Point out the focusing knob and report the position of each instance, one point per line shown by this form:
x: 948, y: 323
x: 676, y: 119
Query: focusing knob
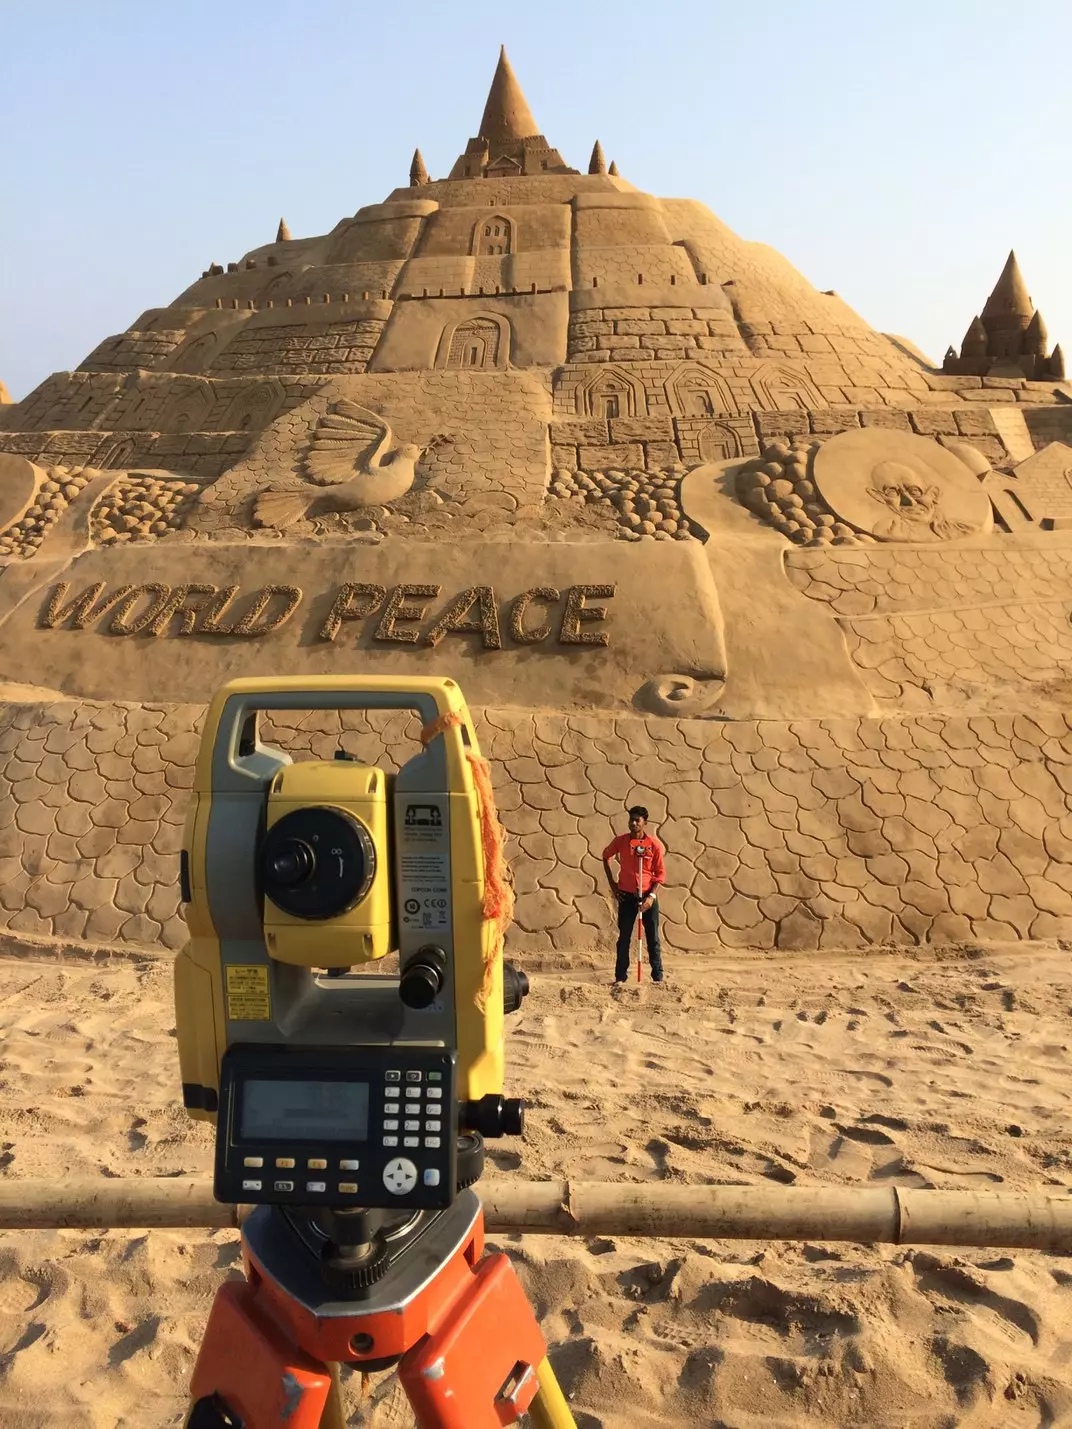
x: 493, y: 1116
x: 515, y: 987
x: 423, y: 977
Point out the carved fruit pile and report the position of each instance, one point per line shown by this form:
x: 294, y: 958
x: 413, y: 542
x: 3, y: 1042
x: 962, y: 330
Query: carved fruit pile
x: 62, y: 486
x: 777, y: 487
x: 141, y: 508
x: 646, y: 501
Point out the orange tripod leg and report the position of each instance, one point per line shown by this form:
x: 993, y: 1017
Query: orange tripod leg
x: 478, y: 1369
x: 250, y: 1368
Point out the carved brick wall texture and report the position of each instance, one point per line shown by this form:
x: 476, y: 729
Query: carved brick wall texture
x: 823, y: 833
x: 302, y: 348
x: 132, y: 349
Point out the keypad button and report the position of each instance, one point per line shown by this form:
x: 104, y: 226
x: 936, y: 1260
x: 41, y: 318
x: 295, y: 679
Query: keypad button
x: 348, y: 1188
x: 413, y: 1076
x: 433, y: 1125
x: 435, y: 1076
x: 316, y: 1186
x: 349, y: 1165
x: 413, y: 1093
x: 251, y: 1185
x: 433, y: 1109
x: 392, y: 1093
x: 285, y: 1163
x: 435, y: 1094
x: 392, y: 1125
x: 412, y: 1126
x: 390, y: 1141
x: 253, y: 1161
x: 411, y: 1141
x: 284, y: 1185
x: 317, y: 1164
x: 431, y: 1176
x: 392, y: 1076
x: 432, y: 1142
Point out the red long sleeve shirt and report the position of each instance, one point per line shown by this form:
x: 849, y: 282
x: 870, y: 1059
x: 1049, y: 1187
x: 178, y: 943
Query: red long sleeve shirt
x: 626, y: 850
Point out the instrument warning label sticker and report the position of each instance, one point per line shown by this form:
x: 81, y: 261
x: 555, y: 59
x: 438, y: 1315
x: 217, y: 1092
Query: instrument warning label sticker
x: 248, y: 998
x: 424, y: 863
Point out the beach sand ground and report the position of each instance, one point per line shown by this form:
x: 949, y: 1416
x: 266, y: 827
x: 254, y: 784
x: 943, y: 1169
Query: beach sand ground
x: 945, y: 1068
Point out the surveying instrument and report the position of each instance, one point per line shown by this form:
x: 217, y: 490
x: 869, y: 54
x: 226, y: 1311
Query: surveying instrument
x: 351, y: 1110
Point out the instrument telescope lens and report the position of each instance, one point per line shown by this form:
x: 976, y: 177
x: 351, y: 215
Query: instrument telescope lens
x: 293, y: 864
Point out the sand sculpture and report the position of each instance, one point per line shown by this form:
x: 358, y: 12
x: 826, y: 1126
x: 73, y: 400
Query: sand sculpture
x: 688, y: 530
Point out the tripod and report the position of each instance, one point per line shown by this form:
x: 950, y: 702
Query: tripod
x: 640, y: 852
x: 373, y: 1289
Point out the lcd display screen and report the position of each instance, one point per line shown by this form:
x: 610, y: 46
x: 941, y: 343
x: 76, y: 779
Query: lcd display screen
x: 304, y: 1111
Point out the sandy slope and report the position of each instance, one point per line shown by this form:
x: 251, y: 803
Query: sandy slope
x: 938, y: 1070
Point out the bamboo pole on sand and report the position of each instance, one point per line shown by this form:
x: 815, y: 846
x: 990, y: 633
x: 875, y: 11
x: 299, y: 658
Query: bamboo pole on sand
x: 889, y: 1215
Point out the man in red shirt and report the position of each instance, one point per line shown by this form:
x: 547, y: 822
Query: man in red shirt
x: 641, y: 871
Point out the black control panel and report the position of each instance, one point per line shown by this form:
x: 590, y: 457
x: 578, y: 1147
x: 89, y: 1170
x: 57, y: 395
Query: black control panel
x: 338, y: 1127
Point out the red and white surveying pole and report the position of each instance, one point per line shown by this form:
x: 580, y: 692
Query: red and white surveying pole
x: 640, y: 849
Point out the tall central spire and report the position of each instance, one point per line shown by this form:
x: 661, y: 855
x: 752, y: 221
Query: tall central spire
x: 509, y: 143
x: 507, y: 116
x: 1010, y: 297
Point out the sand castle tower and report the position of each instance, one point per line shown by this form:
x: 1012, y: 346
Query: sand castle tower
x: 1010, y: 338
x: 685, y: 527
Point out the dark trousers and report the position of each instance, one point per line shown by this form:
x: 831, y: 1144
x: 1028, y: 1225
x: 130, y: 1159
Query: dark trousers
x: 628, y: 904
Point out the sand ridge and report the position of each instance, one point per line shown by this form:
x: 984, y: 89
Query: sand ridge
x: 946, y: 1070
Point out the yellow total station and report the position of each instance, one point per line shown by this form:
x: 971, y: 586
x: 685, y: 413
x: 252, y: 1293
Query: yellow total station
x: 292, y: 868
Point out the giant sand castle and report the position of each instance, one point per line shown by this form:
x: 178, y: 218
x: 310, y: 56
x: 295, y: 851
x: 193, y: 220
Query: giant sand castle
x: 686, y: 530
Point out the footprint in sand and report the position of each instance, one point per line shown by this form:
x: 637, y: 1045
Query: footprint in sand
x: 934, y: 1277
x: 139, y: 1338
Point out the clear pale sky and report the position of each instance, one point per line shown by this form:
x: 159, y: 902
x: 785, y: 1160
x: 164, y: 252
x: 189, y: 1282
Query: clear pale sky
x: 892, y: 151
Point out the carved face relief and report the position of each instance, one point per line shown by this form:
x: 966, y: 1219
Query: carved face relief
x: 914, y: 505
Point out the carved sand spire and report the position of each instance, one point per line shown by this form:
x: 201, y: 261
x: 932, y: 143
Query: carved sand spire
x: 418, y: 174
x: 283, y: 234
x: 1035, y: 337
x: 974, y: 345
x: 508, y: 142
x: 1010, y: 297
x: 507, y: 116
x: 597, y: 164
x: 1057, y: 364
x: 1009, y: 339
x: 613, y: 170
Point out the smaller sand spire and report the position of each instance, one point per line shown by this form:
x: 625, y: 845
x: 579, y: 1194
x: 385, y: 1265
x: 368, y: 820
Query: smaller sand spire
x: 418, y: 174
x: 1057, y: 364
x: 975, y: 340
x: 613, y: 170
x: 1035, y: 337
x: 597, y: 164
x: 283, y: 235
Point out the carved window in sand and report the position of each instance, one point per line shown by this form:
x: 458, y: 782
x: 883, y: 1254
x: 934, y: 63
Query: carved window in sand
x: 694, y: 391
x: 476, y: 343
x: 718, y: 442
x: 781, y: 389
x: 611, y: 394
x: 494, y: 236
